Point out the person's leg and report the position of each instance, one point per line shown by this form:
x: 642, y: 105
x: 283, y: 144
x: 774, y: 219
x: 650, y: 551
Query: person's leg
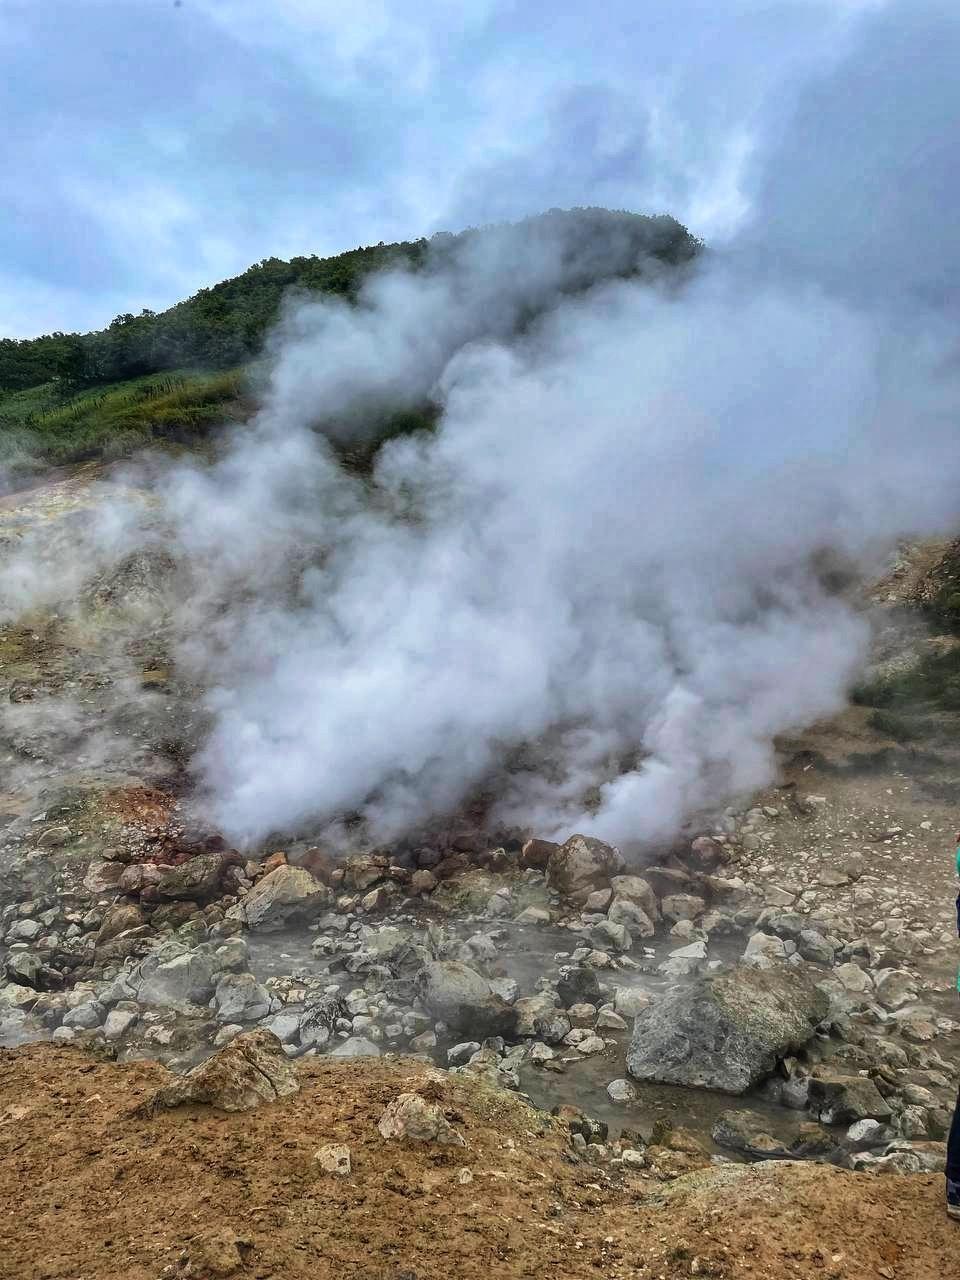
x: 953, y: 1165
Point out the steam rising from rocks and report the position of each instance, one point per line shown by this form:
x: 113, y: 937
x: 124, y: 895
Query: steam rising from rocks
x: 607, y: 579
x: 611, y: 548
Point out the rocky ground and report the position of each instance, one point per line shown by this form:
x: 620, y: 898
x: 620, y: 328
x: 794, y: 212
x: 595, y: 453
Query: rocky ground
x: 389, y: 1170
x: 771, y: 1000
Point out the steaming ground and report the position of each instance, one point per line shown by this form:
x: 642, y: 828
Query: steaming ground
x: 617, y: 549
x: 612, y: 539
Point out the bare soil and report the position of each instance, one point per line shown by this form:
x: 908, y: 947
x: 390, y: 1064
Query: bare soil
x: 90, y: 1190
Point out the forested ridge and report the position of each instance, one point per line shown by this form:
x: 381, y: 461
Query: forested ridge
x: 68, y: 396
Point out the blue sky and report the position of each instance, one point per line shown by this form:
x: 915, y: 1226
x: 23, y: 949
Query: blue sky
x: 151, y: 147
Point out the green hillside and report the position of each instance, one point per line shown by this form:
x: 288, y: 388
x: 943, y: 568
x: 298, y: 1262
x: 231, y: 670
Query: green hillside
x: 171, y: 375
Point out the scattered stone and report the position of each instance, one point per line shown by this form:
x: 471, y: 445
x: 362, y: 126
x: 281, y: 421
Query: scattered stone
x: 839, y: 1099
x: 682, y: 906
x: 629, y: 1001
x: 118, y: 1023
x: 248, y: 1072
x: 194, y: 881
x: 537, y: 853
x: 764, y: 950
x: 84, y: 1016
x: 621, y: 1091
x: 334, y: 1159
x: 629, y: 914
x: 578, y: 985
x: 356, y: 1047
x: 286, y: 895
x: 411, y: 1117
x: 581, y: 865
x: 637, y: 889
x: 533, y: 915
x: 239, y: 997
x: 422, y: 882
x: 461, y: 1053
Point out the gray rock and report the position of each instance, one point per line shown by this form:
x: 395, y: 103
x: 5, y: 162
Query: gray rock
x: 863, y: 1134
x: 118, y: 1022
x: 533, y: 915
x: 356, y: 1047
x: 285, y: 895
x: 24, y: 968
x: 458, y: 995
x: 682, y: 906
x: 539, y: 1016
x: 184, y: 979
x: 637, y: 889
x: 506, y: 988
x: 632, y: 916
x: 895, y: 988
x: 839, y: 1099
x: 193, y: 881
x: 726, y: 1031
x: 578, y: 985
x: 629, y: 1001
x: 609, y: 934
x: 463, y: 1052
x: 764, y: 950
x: 84, y: 1016
x: 285, y: 1026
x: 813, y: 946
x: 239, y: 997
x: 24, y: 931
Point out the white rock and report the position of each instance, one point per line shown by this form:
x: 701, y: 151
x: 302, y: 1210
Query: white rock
x: 621, y: 1091
x: 335, y: 1159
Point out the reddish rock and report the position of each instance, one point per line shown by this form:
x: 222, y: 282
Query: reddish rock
x: 102, y: 876
x: 581, y: 865
x: 362, y: 871
x: 705, y: 854
x: 451, y: 865
x: 537, y: 853
x: 278, y: 859
x: 422, y: 882
x: 319, y: 863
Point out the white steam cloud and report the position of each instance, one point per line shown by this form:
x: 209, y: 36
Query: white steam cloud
x: 612, y: 546
x: 598, y: 590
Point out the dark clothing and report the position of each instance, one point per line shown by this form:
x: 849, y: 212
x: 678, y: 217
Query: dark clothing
x: 953, y: 1147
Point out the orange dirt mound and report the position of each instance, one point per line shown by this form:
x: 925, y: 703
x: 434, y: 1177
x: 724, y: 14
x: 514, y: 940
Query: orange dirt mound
x: 91, y: 1190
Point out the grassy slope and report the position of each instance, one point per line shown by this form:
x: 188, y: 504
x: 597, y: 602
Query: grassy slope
x: 43, y: 424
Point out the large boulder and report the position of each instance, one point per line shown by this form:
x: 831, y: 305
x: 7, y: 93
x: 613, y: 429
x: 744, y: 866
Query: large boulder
x: 457, y: 995
x: 581, y: 865
x: 193, y: 881
x: 636, y: 889
x: 726, y: 1031
x: 175, y: 980
x: 251, y: 1070
x: 286, y: 895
